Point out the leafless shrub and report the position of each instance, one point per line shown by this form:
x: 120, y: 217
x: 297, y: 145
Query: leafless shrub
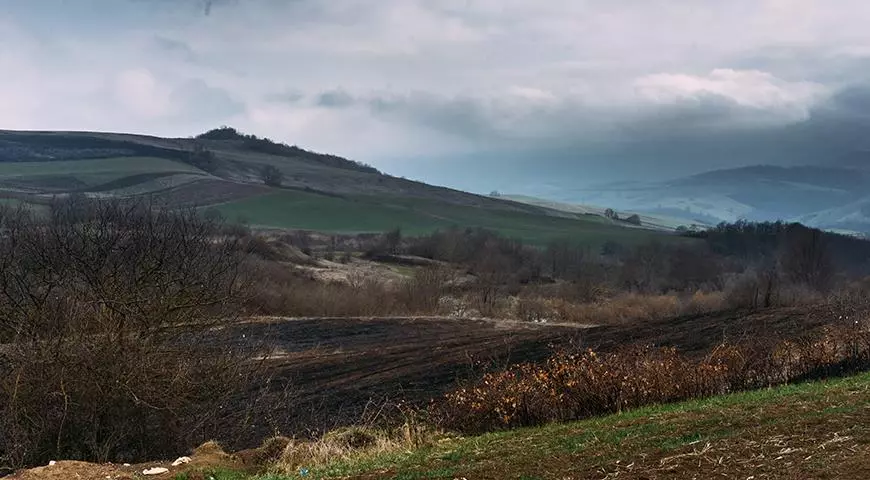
x: 753, y: 289
x: 99, y: 306
x: 422, y: 292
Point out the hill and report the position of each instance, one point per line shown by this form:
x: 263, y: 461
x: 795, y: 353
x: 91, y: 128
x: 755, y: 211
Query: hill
x: 649, y: 221
x: 831, y: 197
x: 223, y: 170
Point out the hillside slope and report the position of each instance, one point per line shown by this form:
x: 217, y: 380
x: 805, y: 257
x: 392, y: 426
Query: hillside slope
x: 224, y: 170
x: 651, y: 221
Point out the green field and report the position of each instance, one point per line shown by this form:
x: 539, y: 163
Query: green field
x: 813, y: 430
x: 90, y: 172
x: 311, y: 211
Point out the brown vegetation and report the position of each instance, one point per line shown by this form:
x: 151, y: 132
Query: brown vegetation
x: 116, y: 322
x: 98, y: 306
x: 571, y: 386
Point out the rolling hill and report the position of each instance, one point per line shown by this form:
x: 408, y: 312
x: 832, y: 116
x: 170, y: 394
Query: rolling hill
x: 223, y: 170
x: 832, y: 197
x: 648, y: 221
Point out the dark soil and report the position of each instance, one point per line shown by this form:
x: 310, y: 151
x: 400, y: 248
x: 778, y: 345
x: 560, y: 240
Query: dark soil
x: 337, y: 372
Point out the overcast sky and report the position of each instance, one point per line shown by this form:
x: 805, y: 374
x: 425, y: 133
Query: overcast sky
x: 602, y: 89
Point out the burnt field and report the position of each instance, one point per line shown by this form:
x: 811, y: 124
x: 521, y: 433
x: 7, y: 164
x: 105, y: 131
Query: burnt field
x: 339, y: 371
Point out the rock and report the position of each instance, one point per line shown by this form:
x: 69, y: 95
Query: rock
x: 181, y: 461
x: 155, y: 471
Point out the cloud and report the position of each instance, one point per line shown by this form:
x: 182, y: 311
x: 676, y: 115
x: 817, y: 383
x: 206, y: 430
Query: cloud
x: 175, y: 47
x: 139, y: 92
x: 198, y: 99
x: 753, y: 89
x: 415, y: 86
x: 334, y: 99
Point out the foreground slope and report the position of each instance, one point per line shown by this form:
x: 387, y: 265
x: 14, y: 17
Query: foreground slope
x: 813, y: 430
x: 223, y: 169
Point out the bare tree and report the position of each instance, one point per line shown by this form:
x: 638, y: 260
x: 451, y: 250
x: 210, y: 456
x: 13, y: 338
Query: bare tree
x: 805, y: 258
x: 104, y: 307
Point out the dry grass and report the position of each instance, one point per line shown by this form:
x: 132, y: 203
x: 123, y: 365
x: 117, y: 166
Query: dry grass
x: 352, y: 444
x: 619, y: 309
x: 282, y: 289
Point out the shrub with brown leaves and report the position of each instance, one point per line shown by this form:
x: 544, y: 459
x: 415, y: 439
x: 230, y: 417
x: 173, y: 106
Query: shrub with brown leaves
x: 571, y: 386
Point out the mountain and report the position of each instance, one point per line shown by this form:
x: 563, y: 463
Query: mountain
x: 227, y: 172
x: 833, y: 197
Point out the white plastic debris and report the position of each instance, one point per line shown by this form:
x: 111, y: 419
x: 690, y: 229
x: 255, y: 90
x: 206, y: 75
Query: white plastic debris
x: 52, y: 463
x: 181, y: 461
x: 126, y: 464
x: 155, y: 471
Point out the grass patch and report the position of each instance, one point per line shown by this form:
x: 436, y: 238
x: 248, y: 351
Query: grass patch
x: 91, y: 171
x: 809, y: 430
x: 311, y: 211
x: 216, y: 474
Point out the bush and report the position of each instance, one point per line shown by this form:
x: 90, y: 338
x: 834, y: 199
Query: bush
x: 422, y: 292
x: 100, y: 304
x: 571, y: 386
x: 272, y: 176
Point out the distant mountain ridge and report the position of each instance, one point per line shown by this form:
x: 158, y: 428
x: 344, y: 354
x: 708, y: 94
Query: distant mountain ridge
x: 834, y: 197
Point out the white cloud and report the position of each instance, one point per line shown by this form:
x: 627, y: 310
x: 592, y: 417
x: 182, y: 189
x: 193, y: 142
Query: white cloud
x: 747, y: 88
x: 140, y: 92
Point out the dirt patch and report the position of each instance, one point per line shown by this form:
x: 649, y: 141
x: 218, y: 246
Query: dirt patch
x: 209, y: 456
x: 208, y: 191
x: 696, y: 334
x: 74, y: 470
x: 334, y: 369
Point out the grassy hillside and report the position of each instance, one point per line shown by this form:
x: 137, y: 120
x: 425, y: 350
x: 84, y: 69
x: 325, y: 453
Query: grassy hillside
x: 812, y: 430
x: 657, y: 222
x: 87, y: 174
x: 223, y: 169
x: 371, y: 213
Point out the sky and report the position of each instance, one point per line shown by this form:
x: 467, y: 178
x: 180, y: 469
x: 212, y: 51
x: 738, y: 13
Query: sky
x: 520, y: 95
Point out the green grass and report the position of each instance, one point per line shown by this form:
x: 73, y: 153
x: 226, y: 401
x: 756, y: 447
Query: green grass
x: 811, y: 430
x: 93, y: 171
x: 310, y: 211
